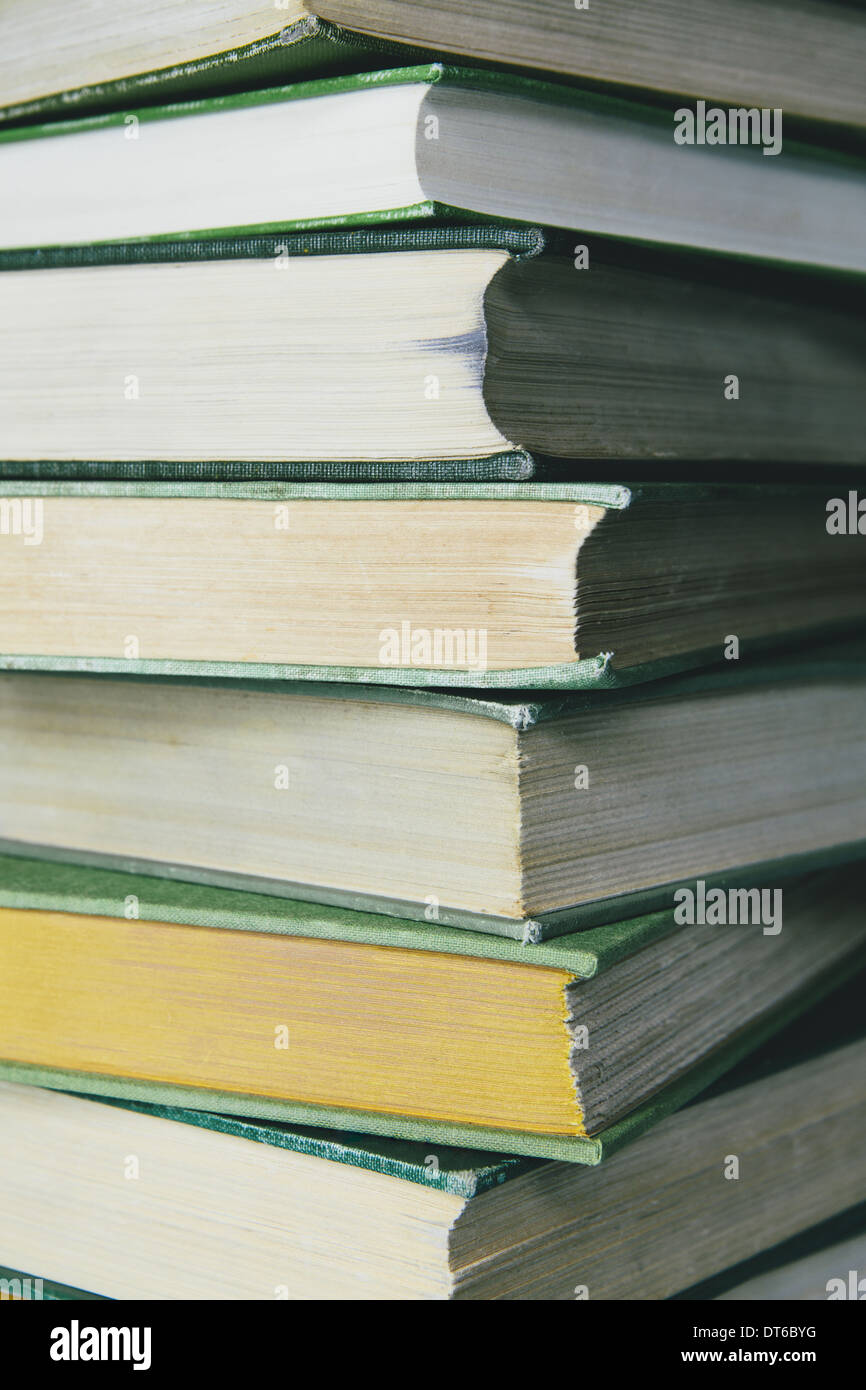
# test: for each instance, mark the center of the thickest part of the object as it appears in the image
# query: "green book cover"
(608, 388)
(59, 884)
(305, 49)
(832, 1024)
(630, 205)
(607, 48)
(802, 510)
(513, 465)
(190, 889)
(52, 887)
(579, 938)
(424, 73)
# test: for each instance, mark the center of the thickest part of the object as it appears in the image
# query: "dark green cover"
(355, 66)
(353, 51)
(519, 241)
(463, 1172)
(305, 49)
(514, 465)
(313, 47)
(422, 75)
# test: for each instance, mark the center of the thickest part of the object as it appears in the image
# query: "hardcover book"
(271, 1009)
(451, 348)
(518, 816)
(804, 55)
(409, 143)
(430, 881)
(239, 1209)
(548, 585)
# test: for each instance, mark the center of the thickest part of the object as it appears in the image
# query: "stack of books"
(432, 652)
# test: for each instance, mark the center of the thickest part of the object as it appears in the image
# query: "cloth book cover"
(817, 1040)
(31, 885)
(811, 624)
(512, 465)
(423, 159)
(419, 353)
(305, 49)
(690, 47)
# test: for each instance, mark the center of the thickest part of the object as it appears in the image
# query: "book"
(806, 57)
(287, 355)
(412, 143)
(271, 1009)
(227, 1208)
(521, 816)
(801, 56)
(377, 858)
(532, 584)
